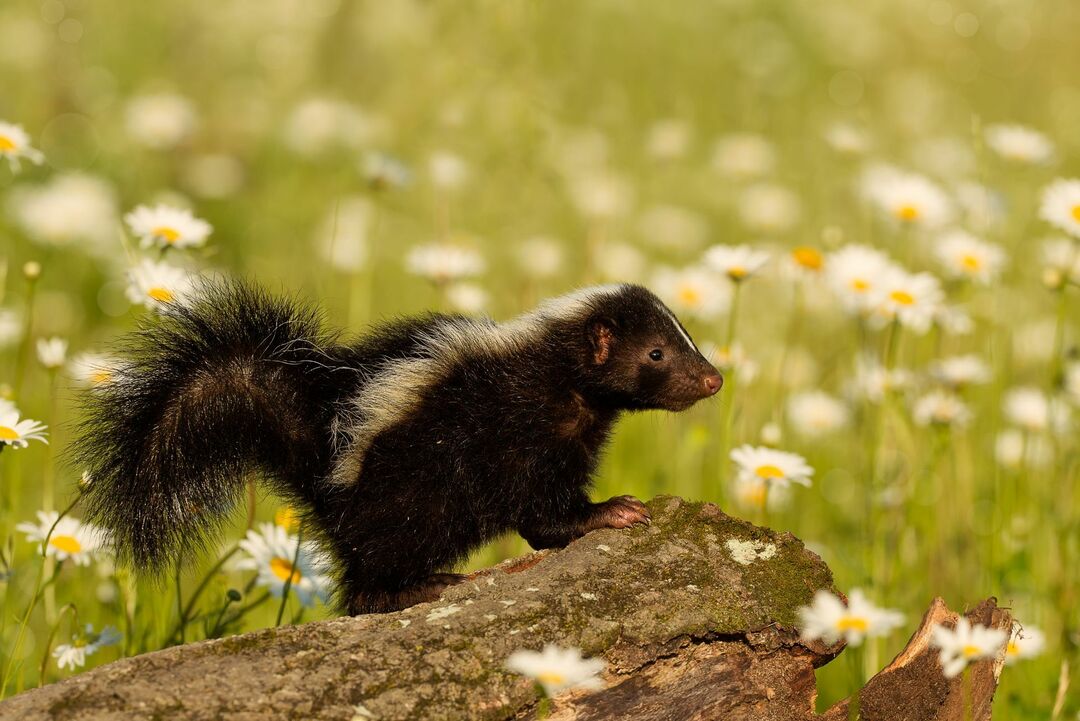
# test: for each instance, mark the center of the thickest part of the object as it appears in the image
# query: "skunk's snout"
(713, 383)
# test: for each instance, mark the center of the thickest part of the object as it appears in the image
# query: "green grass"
(513, 87)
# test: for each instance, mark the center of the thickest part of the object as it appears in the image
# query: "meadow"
(861, 209)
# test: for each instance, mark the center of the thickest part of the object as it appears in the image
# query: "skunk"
(405, 449)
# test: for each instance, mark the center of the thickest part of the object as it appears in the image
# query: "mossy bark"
(695, 616)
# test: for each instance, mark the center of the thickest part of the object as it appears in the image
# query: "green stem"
(185, 614)
(288, 581)
(52, 635)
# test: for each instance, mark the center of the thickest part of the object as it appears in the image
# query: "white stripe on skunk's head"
(640, 355)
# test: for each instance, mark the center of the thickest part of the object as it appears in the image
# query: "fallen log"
(695, 615)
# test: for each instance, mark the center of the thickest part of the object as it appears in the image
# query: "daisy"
(873, 381)
(671, 227)
(743, 155)
(907, 198)
(87, 643)
(70, 538)
(941, 408)
(965, 256)
(11, 327)
(815, 413)
(769, 208)
(601, 195)
(737, 262)
(830, 620)
(51, 352)
(693, 291)
(668, 139)
(155, 284)
(965, 644)
(910, 299)
(160, 121)
(540, 256)
(557, 669)
(1030, 409)
(807, 259)
(93, 370)
(1061, 256)
(467, 297)
(1024, 643)
(18, 433)
(164, 226)
(319, 125)
(779, 468)
(271, 551)
(71, 209)
(855, 273)
(15, 144)
(447, 170)
(443, 262)
(962, 370)
(953, 320)
(1061, 205)
(1019, 144)
(1014, 449)
(847, 139)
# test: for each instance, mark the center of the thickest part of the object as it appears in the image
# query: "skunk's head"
(638, 355)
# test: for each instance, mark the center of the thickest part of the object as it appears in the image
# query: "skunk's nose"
(713, 383)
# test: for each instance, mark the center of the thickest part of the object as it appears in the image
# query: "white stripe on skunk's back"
(397, 388)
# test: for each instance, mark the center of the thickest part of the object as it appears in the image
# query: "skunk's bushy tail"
(232, 383)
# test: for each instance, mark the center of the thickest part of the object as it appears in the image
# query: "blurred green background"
(568, 143)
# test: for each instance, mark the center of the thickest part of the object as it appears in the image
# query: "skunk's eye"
(656, 354)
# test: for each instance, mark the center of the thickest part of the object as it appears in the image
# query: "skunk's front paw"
(619, 512)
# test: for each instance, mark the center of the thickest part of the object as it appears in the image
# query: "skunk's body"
(408, 448)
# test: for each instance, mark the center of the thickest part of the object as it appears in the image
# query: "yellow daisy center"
(907, 212)
(808, 257)
(67, 544)
(859, 285)
(689, 295)
(283, 569)
(737, 272)
(852, 623)
(769, 472)
(971, 651)
(8, 433)
(161, 294)
(902, 297)
(971, 262)
(551, 678)
(286, 518)
(6, 144)
(1012, 649)
(100, 376)
(1075, 211)
(169, 235)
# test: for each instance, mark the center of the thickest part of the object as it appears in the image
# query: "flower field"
(866, 212)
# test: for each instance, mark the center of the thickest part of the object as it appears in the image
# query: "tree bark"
(695, 615)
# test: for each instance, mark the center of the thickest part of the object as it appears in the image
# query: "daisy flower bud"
(51, 352)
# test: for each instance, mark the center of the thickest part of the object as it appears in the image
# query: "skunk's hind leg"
(384, 598)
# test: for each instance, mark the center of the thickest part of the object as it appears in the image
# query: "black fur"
(507, 438)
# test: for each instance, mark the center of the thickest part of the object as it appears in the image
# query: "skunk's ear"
(601, 338)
